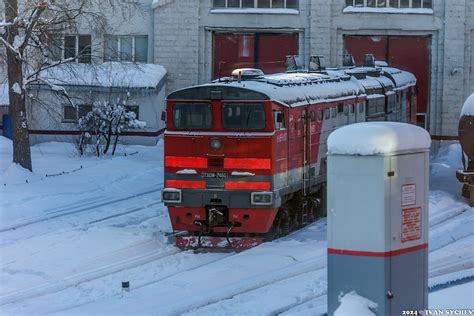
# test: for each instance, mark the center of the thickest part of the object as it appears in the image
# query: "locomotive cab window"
(243, 116)
(279, 120)
(192, 116)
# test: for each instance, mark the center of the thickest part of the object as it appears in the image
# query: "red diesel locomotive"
(245, 156)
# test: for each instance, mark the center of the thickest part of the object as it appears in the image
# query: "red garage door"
(358, 46)
(410, 53)
(272, 50)
(257, 50)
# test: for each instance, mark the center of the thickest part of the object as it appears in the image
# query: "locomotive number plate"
(214, 175)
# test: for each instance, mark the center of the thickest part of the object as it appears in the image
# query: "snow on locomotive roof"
(402, 78)
(298, 89)
(377, 138)
(371, 80)
(385, 81)
(370, 83)
(468, 107)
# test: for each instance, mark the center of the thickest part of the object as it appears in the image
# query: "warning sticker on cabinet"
(411, 224)
(408, 194)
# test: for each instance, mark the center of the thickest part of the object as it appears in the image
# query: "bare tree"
(28, 34)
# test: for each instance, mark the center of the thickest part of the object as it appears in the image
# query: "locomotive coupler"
(216, 217)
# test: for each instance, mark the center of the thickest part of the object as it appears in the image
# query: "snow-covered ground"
(77, 227)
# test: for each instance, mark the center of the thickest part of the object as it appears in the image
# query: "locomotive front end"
(219, 167)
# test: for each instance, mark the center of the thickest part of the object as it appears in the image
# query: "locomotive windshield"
(243, 116)
(192, 116)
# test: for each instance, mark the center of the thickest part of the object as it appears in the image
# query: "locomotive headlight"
(215, 144)
(171, 196)
(262, 198)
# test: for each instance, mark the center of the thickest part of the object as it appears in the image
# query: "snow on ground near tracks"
(68, 241)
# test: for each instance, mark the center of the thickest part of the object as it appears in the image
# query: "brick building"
(197, 41)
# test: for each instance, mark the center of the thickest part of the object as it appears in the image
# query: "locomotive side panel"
(246, 158)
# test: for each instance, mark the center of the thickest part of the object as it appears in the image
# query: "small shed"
(67, 92)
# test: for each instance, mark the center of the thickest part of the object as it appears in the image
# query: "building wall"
(176, 40)
(46, 120)
(322, 25)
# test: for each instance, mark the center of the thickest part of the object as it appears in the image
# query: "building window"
(134, 109)
(73, 114)
(391, 3)
(271, 4)
(77, 47)
(126, 48)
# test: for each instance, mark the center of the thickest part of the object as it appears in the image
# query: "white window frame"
(76, 36)
(255, 5)
(387, 4)
(76, 110)
(119, 46)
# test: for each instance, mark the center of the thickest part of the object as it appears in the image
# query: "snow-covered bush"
(106, 121)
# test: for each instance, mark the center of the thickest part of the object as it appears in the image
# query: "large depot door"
(265, 51)
(410, 53)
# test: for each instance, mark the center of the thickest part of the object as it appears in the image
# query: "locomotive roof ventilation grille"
(293, 63)
(348, 61)
(316, 63)
(369, 60)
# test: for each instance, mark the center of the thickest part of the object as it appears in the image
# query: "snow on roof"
(4, 98)
(351, 9)
(370, 83)
(370, 78)
(385, 81)
(109, 74)
(468, 107)
(297, 89)
(354, 304)
(377, 138)
(159, 3)
(402, 78)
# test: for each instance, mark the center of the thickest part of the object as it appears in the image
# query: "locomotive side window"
(340, 108)
(192, 116)
(326, 114)
(243, 116)
(361, 107)
(333, 112)
(320, 115)
(279, 120)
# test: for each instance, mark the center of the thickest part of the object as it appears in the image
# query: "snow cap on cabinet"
(378, 138)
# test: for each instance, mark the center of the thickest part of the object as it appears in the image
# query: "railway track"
(75, 209)
(252, 284)
(98, 267)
